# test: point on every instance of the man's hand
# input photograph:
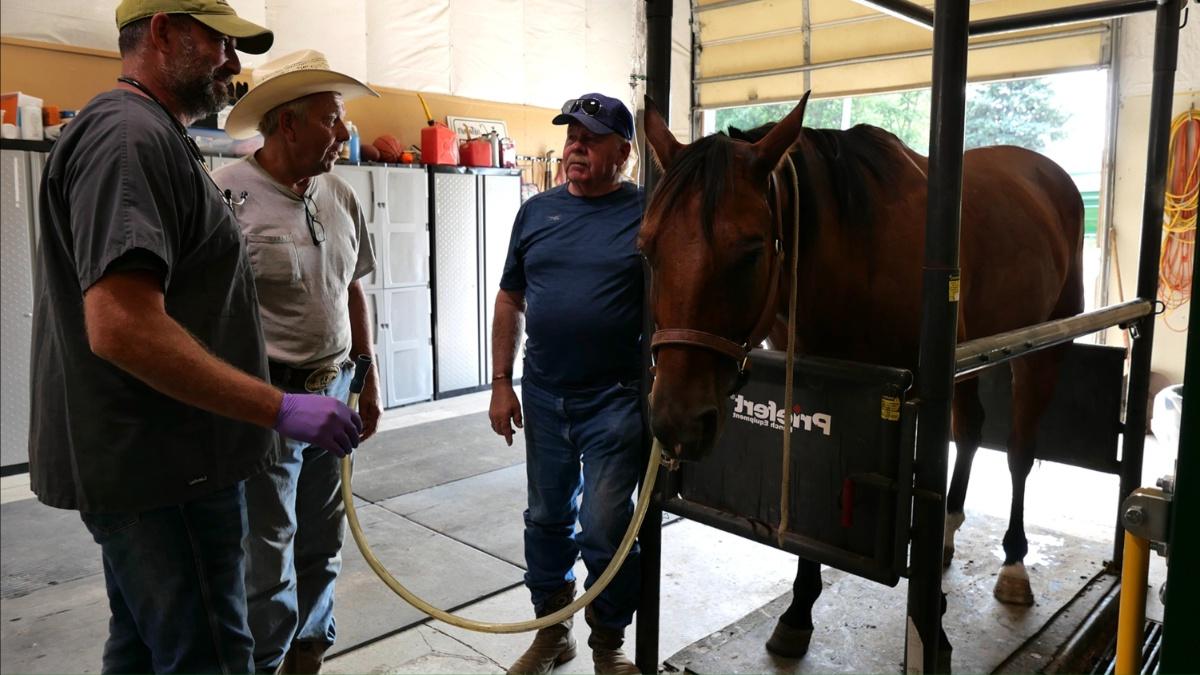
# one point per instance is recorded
(319, 420)
(505, 410)
(368, 405)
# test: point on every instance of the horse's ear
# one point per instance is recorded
(659, 137)
(771, 148)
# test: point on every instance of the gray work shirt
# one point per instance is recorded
(303, 286)
(120, 191)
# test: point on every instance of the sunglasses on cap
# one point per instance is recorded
(588, 106)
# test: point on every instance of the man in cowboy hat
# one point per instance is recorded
(574, 271)
(308, 246)
(150, 407)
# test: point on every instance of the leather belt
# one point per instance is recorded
(307, 379)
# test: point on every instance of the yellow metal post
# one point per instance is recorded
(1131, 625)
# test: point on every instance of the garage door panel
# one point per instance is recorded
(745, 44)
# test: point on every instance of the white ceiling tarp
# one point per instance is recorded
(533, 52)
(408, 44)
(487, 49)
(336, 29)
(83, 24)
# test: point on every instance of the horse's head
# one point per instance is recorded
(713, 237)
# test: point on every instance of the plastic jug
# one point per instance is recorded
(355, 143)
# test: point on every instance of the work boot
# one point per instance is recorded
(304, 657)
(552, 645)
(607, 656)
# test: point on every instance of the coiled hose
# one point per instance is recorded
(362, 366)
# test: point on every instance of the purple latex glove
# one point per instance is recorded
(319, 420)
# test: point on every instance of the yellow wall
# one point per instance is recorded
(1132, 139)
(70, 76)
(67, 77)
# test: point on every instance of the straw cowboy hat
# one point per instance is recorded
(288, 78)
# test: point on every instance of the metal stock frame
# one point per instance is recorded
(941, 360)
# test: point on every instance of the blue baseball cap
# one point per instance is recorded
(599, 113)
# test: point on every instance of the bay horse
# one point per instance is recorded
(719, 228)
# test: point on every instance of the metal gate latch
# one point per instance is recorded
(1146, 513)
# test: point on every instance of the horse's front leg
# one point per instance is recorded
(794, 630)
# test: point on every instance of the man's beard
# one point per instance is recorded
(195, 89)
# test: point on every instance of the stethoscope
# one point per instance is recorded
(227, 196)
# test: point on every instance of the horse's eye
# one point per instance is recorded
(748, 257)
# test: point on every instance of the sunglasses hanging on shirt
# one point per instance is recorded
(315, 229)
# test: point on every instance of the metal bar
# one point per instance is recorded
(903, 10)
(1166, 46)
(1183, 584)
(1096, 11)
(1132, 620)
(658, 87)
(976, 355)
(939, 319)
(896, 56)
(1110, 162)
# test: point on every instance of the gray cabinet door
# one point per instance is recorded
(395, 205)
(366, 182)
(456, 278)
(501, 201)
(406, 227)
(16, 304)
(406, 346)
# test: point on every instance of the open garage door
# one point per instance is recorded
(760, 51)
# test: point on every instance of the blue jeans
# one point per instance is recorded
(603, 431)
(174, 580)
(294, 549)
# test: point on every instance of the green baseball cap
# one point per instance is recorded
(216, 14)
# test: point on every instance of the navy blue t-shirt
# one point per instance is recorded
(577, 262)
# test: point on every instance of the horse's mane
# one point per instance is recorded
(850, 159)
(702, 164)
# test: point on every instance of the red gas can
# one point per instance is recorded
(439, 145)
(476, 152)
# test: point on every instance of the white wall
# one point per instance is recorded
(532, 52)
(1133, 117)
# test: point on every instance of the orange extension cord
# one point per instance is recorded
(1177, 263)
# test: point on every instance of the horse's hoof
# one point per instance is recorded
(953, 522)
(1012, 585)
(788, 641)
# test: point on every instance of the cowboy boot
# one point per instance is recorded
(607, 656)
(304, 657)
(552, 645)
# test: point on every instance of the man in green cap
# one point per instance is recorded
(150, 407)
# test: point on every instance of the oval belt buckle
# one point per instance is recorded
(320, 378)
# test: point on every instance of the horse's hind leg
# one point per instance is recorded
(794, 630)
(967, 424)
(1034, 378)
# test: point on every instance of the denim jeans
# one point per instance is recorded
(603, 432)
(175, 589)
(294, 549)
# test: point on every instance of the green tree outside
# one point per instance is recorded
(1013, 112)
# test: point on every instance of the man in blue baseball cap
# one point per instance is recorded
(573, 270)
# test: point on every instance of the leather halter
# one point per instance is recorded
(740, 353)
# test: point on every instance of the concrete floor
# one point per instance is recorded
(451, 531)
